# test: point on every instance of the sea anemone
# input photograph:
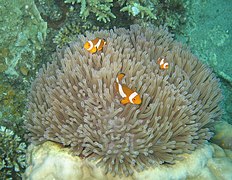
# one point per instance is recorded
(73, 100)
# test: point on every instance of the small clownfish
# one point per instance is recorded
(162, 63)
(128, 95)
(94, 45)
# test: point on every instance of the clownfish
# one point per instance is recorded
(162, 63)
(128, 95)
(94, 45)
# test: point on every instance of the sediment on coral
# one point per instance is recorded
(73, 100)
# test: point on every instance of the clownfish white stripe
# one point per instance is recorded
(132, 96)
(121, 90)
(117, 80)
(91, 45)
(98, 43)
(162, 61)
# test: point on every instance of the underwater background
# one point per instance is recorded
(31, 31)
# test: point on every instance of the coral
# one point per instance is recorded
(220, 166)
(46, 161)
(53, 12)
(70, 32)
(173, 13)
(101, 9)
(12, 100)
(73, 101)
(12, 155)
(146, 9)
(223, 135)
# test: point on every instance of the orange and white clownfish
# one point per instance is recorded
(128, 95)
(162, 63)
(94, 45)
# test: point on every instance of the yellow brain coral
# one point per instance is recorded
(73, 100)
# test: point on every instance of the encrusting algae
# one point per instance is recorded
(73, 101)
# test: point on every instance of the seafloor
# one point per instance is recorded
(31, 30)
